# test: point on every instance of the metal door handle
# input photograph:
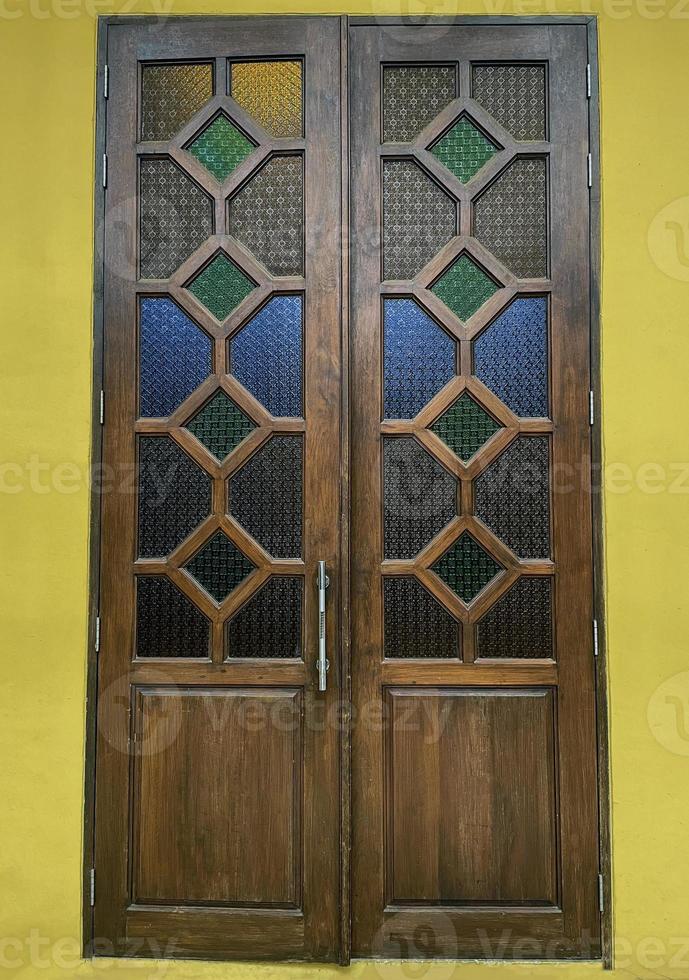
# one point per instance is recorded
(323, 663)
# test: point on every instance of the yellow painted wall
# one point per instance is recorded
(47, 63)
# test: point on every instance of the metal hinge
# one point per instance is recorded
(592, 411)
(601, 894)
(105, 170)
(588, 80)
(102, 406)
(589, 168)
(92, 879)
(97, 643)
(595, 637)
(106, 82)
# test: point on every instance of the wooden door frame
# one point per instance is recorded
(597, 459)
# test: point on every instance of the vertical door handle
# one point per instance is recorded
(323, 664)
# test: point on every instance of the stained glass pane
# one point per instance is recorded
(167, 623)
(418, 219)
(265, 496)
(514, 95)
(174, 357)
(271, 92)
(413, 95)
(510, 218)
(174, 495)
(464, 149)
(465, 427)
(170, 96)
(266, 356)
(419, 359)
(221, 147)
(511, 357)
(219, 566)
(267, 216)
(221, 286)
(466, 568)
(415, 624)
(420, 497)
(464, 287)
(269, 625)
(512, 497)
(176, 217)
(220, 425)
(521, 623)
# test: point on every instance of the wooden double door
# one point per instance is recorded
(345, 669)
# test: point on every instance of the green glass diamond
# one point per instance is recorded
(464, 287)
(220, 425)
(221, 286)
(464, 150)
(221, 147)
(465, 427)
(466, 567)
(219, 566)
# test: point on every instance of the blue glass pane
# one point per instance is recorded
(511, 357)
(419, 359)
(174, 357)
(266, 356)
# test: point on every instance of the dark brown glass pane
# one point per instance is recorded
(170, 96)
(270, 624)
(514, 95)
(176, 217)
(416, 625)
(267, 216)
(168, 624)
(413, 95)
(512, 497)
(520, 624)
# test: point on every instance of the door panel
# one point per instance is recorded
(222, 409)
(474, 803)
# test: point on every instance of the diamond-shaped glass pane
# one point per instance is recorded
(465, 427)
(221, 286)
(219, 566)
(220, 425)
(221, 147)
(464, 287)
(466, 567)
(464, 149)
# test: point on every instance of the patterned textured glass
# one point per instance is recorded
(415, 624)
(464, 149)
(269, 625)
(265, 496)
(174, 496)
(174, 357)
(420, 497)
(465, 427)
(170, 96)
(511, 357)
(176, 217)
(220, 425)
(413, 95)
(267, 216)
(466, 568)
(521, 623)
(510, 218)
(219, 566)
(464, 288)
(221, 147)
(418, 219)
(167, 623)
(271, 92)
(221, 286)
(514, 95)
(266, 356)
(419, 359)
(512, 497)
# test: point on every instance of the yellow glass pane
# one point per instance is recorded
(271, 92)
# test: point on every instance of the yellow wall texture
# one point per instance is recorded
(47, 63)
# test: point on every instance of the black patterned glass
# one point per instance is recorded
(415, 624)
(168, 624)
(520, 624)
(270, 623)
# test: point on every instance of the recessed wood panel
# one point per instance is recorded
(471, 808)
(217, 808)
